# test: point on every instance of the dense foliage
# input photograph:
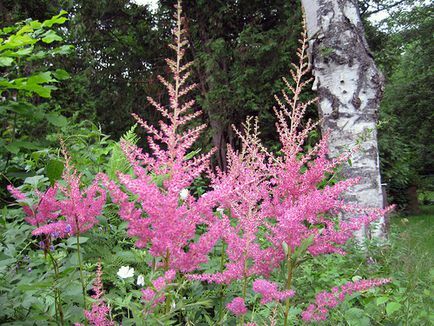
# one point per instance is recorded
(404, 50)
(158, 229)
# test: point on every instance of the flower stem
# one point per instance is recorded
(57, 300)
(288, 286)
(244, 286)
(166, 268)
(222, 287)
(80, 266)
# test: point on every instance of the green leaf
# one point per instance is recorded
(42, 91)
(56, 119)
(392, 307)
(34, 181)
(54, 170)
(58, 19)
(72, 242)
(61, 74)
(17, 145)
(35, 24)
(356, 316)
(50, 36)
(382, 300)
(25, 51)
(41, 78)
(5, 61)
(192, 154)
(64, 49)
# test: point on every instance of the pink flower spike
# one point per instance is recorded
(269, 291)
(327, 300)
(237, 306)
(99, 314)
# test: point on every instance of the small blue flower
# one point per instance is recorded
(42, 244)
(68, 229)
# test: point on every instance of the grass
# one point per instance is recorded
(407, 260)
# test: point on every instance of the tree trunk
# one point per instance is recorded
(413, 201)
(349, 88)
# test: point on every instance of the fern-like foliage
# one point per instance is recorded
(118, 161)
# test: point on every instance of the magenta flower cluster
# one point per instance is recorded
(66, 208)
(99, 314)
(237, 306)
(324, 301)
(155, 294)
(269, 291)
(260, 210)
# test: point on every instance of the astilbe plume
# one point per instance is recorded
(237, 306)
(46, 209)
(327, 300)
(155, 294)
(65, 208)
(99, 314)
(272, 201)
(270, 292)
(165, 216)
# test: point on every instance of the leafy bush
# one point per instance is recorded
(229, 253)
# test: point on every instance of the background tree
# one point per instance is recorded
(403, 44)
(241, 48)
(349, 88)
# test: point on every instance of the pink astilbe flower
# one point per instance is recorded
(155, 294)
(64, 209)
(327, 300)
(46, 210)
(98, 315)
(237, 306)
(79, 208)
(280, 198)
(164, 216)
(270, 292)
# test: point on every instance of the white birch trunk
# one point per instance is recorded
(349, 87)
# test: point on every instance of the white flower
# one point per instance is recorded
(183, 194)
(125, 272)
(140, 280)
(220, 210)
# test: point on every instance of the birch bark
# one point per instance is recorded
(349, 87)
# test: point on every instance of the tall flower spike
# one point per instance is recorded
(98, 315)
(75, 211)
(283, 198)
(78, 207)
(164, 215)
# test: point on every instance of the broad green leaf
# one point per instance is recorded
(35, 24)
(42, 91)
(382, 300)
(25, 29)
(356, 316)
(54, 170)
(15, 146)
(56, 119)
(50, 36)
(25, 51)
(61, 74)
(64, 49)
(72, 242)
(41, 78)
(392, 307)
(6, 61)
(34, 181)
(58, 19)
